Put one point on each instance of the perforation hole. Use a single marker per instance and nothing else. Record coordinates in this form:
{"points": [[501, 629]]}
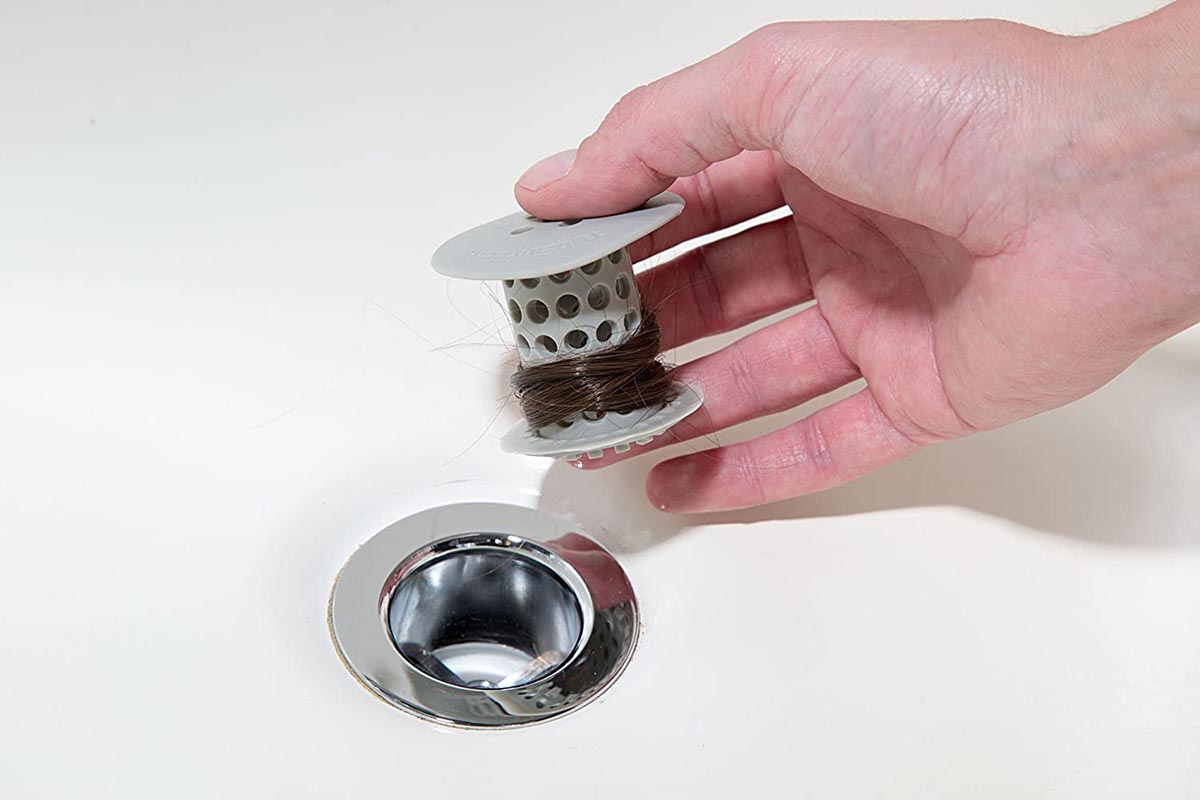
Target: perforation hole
{"points": [[631, 319], [621, 286], [537, 311], [547, 345], [567, 222], [561, 277], [530, 283], [604, 331], [565, 423], [577, 339], [593, 415], [590, 269], [508, 283], [567, 306], [522, 345], [522, 229], [616, 257], [514, 310], [599, 297]]}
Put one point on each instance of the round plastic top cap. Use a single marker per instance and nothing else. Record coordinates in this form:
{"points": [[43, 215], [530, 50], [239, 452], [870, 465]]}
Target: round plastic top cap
{"points": [[521, 246]]}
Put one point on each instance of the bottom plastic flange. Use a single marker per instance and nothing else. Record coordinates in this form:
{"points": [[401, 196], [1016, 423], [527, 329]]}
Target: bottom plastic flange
{"points": [[591, 437]]}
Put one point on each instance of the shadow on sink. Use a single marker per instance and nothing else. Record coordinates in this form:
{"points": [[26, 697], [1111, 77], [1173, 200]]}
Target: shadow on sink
{"points": [[1121, 467]]}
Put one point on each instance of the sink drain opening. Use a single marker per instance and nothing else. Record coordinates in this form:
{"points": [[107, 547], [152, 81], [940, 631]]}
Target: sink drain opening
{"points": [[485, 619], [483, 615]]}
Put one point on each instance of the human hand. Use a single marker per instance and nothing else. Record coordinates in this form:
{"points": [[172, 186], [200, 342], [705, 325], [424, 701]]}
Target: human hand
{"points": [[993, 220]]}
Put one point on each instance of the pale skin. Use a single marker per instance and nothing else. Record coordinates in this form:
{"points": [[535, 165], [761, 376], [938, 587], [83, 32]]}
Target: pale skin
{"points": [[994, 221]]}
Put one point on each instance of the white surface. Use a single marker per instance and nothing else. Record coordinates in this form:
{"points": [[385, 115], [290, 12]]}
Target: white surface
{"points": [[215, 226]]}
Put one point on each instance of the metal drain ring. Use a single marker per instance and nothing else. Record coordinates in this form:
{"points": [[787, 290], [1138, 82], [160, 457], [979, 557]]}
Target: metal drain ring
{"points": [[486, 584]]}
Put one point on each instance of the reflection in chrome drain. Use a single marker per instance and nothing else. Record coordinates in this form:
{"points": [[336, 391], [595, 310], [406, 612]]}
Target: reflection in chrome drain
{"points": [[483, 615], [485, 618]]}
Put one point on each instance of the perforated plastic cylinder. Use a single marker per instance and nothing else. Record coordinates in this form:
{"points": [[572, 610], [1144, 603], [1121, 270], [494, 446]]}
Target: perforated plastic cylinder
{"points": [[583, 310]]}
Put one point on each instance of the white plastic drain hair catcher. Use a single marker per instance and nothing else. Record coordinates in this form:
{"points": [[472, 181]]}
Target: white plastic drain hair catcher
{"points": [[569, 290]]}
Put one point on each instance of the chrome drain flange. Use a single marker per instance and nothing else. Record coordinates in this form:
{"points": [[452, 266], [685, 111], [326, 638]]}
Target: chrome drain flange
{"points": [[483, 615]]}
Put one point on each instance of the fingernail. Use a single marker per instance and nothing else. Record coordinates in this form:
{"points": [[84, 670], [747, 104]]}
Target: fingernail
{"points": [[547, 171], [671, 486]]}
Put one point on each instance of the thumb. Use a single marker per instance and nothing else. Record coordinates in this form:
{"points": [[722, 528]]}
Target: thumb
{"points": [[674, 127]]}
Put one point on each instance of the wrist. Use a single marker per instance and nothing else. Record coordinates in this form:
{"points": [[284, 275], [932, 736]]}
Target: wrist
{"points": [[1130, 161], [1152, 63]]}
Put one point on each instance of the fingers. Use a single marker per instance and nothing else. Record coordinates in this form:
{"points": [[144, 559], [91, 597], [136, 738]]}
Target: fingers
{"points": [[725, 194], [904, 118], [727, 284], [835, 444], [767, 371]]}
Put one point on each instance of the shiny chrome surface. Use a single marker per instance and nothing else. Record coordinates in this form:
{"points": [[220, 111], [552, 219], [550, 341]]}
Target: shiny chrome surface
{"points": [[484, 618], [483, 615]]}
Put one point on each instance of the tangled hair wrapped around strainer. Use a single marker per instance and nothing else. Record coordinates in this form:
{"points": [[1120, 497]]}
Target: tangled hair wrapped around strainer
{"points": [[620, 379]]}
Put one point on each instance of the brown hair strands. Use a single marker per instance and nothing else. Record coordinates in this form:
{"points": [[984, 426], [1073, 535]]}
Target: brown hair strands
{"points": [[621, 379]]}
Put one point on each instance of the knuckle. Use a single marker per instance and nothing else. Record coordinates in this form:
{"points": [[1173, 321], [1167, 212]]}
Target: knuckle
{"points": [[767, 40], [627, 129], [767, 71], [746, 466], [745, 381], [631, 106], [810, 446]]}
